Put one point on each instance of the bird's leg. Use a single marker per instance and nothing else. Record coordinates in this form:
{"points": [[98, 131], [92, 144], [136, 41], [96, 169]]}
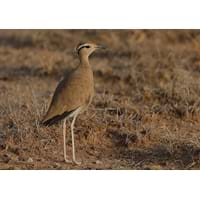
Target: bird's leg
{"points": [[73, 145], [64, 142]]}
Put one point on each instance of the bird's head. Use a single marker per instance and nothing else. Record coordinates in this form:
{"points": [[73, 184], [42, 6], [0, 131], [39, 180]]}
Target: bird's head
{"points": [[87, 48]]}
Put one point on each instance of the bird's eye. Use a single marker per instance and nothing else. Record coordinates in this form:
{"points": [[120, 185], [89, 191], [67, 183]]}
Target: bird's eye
{"points": [[87, 46]]}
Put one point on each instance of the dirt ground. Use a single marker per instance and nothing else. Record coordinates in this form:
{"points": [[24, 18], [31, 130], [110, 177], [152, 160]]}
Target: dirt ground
{"points": [[145, 113]]}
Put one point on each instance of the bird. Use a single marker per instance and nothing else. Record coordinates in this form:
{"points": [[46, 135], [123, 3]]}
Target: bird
{"points": [[73, 95]]}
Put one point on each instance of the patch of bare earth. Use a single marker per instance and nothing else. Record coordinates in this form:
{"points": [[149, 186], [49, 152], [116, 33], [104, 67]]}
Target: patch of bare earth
{"points": [[145, 114]]}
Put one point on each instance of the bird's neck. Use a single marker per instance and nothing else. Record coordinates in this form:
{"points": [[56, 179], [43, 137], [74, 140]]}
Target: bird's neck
{"points": [[84, 60]]}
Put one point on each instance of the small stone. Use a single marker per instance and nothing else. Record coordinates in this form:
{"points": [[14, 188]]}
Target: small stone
{"points": [[57, 166], [98, 162], [30, 160]]}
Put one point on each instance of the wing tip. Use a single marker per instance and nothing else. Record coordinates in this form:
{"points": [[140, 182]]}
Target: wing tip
{"points": [[47, 122], [55, 119]]}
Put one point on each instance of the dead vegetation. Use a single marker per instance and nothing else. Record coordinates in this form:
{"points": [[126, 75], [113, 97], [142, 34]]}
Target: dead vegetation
{"points": [[145, 114]]}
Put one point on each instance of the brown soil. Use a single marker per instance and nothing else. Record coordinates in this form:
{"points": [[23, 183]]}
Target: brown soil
{"points": [[145, 114]]}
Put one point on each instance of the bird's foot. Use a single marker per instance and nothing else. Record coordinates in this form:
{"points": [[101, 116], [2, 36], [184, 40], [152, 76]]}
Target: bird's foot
{"points": [[76, 162], [68, 161]]}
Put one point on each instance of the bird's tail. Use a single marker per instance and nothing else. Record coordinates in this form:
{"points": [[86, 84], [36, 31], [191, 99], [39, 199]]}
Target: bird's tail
{"points": [[55, 119]]}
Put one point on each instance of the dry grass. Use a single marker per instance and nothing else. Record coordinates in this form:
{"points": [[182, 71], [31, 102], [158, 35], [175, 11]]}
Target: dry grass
{"points": [[145, 114]]}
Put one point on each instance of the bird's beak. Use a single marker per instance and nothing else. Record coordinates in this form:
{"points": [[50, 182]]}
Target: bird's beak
{"points": [[100, 47]]}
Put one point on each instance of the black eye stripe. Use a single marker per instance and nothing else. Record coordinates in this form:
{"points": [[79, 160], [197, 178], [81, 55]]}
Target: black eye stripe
{"points": [[87, 46]]}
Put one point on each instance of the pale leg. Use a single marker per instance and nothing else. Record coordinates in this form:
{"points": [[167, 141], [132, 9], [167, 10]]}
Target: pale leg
{"points": [[73, 145], [64, 142]]}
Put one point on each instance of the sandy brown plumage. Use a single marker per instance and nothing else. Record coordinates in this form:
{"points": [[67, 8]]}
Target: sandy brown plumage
{"points": [[74, 91], [73, 94]]}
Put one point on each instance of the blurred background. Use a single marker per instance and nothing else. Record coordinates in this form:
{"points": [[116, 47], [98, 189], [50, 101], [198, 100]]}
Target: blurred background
{"points": [[145, 114]]}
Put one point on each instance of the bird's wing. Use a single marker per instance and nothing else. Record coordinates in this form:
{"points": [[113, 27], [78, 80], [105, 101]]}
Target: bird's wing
{"points": [[71, 93]]}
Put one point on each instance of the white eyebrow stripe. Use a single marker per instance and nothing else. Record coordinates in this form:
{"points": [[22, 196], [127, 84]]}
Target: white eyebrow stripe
{"points": [[81, 46]]}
